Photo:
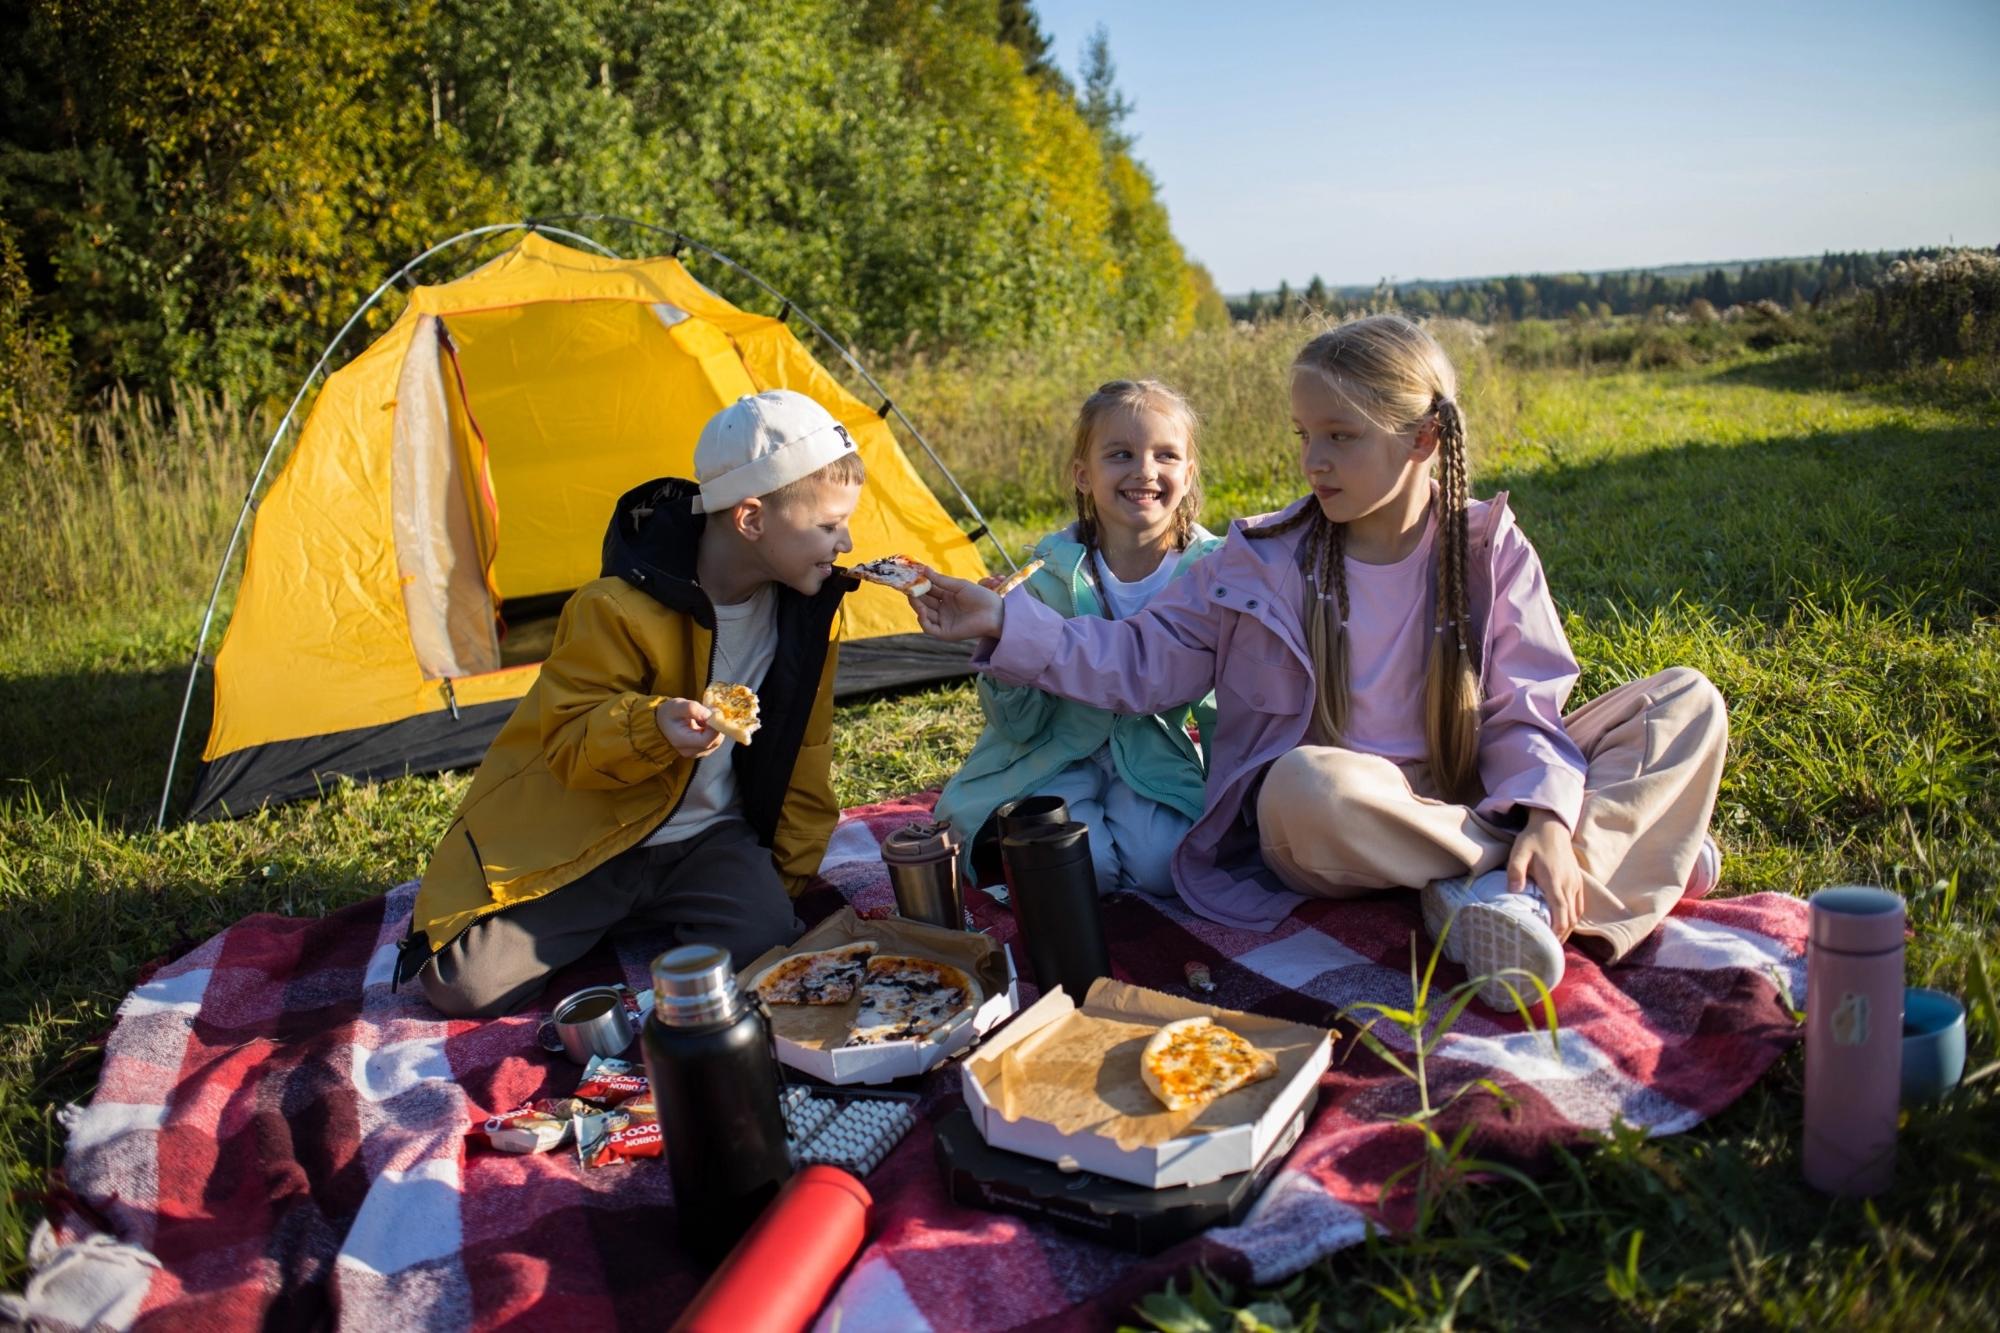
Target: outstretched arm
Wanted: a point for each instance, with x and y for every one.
(1158, 659)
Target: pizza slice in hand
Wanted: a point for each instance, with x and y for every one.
(732, 711)
(894, 571)
(1004, 584)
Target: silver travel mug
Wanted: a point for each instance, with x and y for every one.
(589, 1022)
(923, 869)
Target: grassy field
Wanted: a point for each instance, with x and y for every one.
(1823, 549)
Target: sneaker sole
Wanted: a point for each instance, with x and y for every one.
(1491, 941)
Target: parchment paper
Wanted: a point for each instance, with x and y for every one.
(1080, 1073)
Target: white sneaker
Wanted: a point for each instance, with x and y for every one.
(1707, 873)
(1440, 900)
(1494, 931)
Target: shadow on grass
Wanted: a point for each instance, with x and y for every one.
(100, 736)
(1893, 516)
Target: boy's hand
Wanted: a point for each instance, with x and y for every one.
(958, 609)
(684, 723)
(1543, 853)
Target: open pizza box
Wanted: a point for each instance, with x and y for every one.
(809, 1037)
(1063, 1084)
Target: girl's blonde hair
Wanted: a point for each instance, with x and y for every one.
(1135, 396)
(1396, 375)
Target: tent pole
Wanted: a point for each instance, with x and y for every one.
(250, 499)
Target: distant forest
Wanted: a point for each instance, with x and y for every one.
(1791, 283)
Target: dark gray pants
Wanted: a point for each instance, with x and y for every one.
(718, 887)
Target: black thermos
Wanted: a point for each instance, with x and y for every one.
(1053, 887)
(708, 1055)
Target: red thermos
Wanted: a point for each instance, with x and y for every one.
(778, 1277)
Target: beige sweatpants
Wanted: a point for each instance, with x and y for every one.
(1335, 823)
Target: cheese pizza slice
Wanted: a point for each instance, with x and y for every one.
(732, 710)
(894, 571)
(1193, 1061)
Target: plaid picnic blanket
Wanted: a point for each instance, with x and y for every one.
(278, 1138)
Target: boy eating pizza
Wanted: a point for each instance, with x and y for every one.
(608, 797)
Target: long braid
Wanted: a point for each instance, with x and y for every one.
(1323, 559)
(1451, 711)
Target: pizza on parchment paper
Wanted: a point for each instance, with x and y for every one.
(904, 999)
(894, 571)
(732, 710)
(824, 976)
(1193, 1061)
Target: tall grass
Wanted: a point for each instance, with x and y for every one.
(1005, 423)
(125, 505)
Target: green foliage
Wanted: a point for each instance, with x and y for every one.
(204, 191)
(34, 358)
(1441, 1173)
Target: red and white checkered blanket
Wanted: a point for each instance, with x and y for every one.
(278, 1138)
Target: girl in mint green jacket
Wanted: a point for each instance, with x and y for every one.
(1135, 780)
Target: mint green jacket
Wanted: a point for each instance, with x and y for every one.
(1032, 735)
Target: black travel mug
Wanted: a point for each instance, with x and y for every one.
(1011, 818)
(1053, 887)
(1018, 816)
(715, 1082)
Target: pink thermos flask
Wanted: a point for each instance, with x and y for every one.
(1854, 1039)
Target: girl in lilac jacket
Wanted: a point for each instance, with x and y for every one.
(1390, 678)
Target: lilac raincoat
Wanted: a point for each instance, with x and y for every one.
(1236, 623)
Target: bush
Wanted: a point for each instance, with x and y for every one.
(1944, 308)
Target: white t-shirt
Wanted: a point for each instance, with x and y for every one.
(1128, 599)
(746, 642)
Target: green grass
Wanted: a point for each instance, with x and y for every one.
(1823, 549)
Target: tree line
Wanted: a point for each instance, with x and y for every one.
(1792, 283)
(203, 190)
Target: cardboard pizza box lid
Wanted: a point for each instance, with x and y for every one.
(1062, 1083)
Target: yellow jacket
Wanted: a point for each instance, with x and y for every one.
(581, 772)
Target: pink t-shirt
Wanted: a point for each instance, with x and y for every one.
(1388, 649)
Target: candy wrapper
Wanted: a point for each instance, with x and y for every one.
(608, 1082)
(537, 1127)
(626, 1133)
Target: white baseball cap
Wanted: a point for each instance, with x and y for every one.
(761, 442)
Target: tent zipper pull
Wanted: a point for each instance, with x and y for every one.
(450, 698)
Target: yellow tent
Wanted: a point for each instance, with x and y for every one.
(452, 485)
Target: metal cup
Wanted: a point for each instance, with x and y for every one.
(923, 870)
(588, 1022)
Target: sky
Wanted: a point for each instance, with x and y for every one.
(1431, 140)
